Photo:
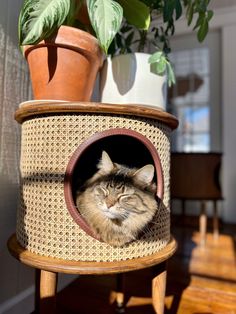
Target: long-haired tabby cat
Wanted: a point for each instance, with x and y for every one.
(118, 202)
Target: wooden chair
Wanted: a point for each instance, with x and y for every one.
(196, 176)
(47, 269)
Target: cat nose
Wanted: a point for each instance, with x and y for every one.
(110, 201)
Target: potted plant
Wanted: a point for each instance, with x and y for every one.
(129, 77)
(60, 46)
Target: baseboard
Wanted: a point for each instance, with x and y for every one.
(20, 303)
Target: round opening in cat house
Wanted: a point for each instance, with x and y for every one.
(121, 169)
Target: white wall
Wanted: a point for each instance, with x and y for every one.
(229, 119)
(225, 20)
(17, 280)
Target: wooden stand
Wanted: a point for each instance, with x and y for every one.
(50, 267)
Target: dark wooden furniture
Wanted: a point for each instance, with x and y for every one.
(196, 176)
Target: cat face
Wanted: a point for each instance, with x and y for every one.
(143, 176)
(117, 201)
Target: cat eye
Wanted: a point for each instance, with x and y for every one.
(120, 188)
(99, 190)
(129, 199)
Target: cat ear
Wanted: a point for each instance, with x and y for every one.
(105, 163)
(144, 175)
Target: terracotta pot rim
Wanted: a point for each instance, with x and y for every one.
(71, 38)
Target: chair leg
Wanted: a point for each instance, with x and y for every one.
(120, 302)
(159, 288)
(203, 223)
(183, 208)
(215, 221)
(48, 287)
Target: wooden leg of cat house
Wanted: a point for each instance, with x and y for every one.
(37, 291)
(48, 287)
(159, 288)
(120, 296)
(46, 283)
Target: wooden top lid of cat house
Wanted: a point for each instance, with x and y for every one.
(29, 109)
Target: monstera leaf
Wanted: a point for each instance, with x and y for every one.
(106, 17)
(40, 18)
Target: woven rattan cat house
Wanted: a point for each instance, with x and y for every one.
(60, 140)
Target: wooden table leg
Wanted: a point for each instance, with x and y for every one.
(159, 288)
(48, 287)
(203, 223)
(215, 221)
(183, 208)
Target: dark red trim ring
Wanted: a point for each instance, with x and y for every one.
(82, 148)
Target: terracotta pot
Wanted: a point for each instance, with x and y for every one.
(65, 66)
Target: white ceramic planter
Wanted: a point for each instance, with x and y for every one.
(127, 79)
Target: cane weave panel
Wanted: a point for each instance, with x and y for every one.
(44, 225)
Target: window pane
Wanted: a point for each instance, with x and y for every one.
(190, 89)
(193, 119)
(196, 143)
(201, 90)
(191, 61)
(189, 99)
(200, 119)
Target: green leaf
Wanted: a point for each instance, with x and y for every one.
(178, 9)
(136, 13)
(160, 65)
(170, 74)
(40, 18)
(106, 17)
(155, 57)
(168, 10)
(158, 62)
(209, 15)
(190, 13)
(158, 68)
(203, 30)
(200, 20)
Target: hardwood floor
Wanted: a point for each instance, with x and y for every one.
(200, 280)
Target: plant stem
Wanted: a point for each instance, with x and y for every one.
(143, 40)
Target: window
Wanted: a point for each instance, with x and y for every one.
(189, 99)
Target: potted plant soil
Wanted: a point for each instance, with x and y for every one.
(131, 76)
(64, 45)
